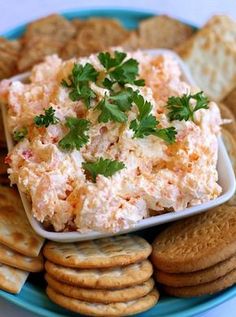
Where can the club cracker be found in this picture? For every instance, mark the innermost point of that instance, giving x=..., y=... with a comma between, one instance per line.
x=102, y=253
x=100, y=295
x=109, y=278
x=98, y=309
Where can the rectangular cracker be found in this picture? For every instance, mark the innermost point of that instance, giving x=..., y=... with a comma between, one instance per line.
x=163, y=32
x=11, y=279
x=19, y=261
x=211, y=57
x=15, y=229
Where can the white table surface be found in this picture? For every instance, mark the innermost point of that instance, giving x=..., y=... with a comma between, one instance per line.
x=194, y=11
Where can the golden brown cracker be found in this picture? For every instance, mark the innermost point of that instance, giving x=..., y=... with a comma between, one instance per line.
x=163, y=32
x=109, y=278
x=211, y=56
x=195, y=278
x=94, y=35
x=98, y=309
x=101, y=295
x=12, y=279
x=9, y=53
x=102, y=253
x=44, y=37
x=196, y=243
x=19, y=261
x=15, y=229
x=203, y=289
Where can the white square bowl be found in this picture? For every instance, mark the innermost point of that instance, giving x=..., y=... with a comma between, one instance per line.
x=224, y=167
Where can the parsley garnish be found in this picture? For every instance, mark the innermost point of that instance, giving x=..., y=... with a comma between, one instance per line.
x=47, y=118
x=113, y=107
x=119, y=71
x=78, y=83
x=103, y=167
x=181, y=109
x=77, y=136
x=19, y=135
x=146, y=123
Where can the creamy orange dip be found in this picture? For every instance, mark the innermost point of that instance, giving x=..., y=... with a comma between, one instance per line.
x=157, y=175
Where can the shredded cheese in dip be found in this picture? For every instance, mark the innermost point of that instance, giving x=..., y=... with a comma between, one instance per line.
x=157, y=176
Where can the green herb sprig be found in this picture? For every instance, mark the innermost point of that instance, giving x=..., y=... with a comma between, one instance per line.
x=146, y=123
x=118, y=70
x=180, y=108
x=103, y=167
x=78, y=83
x=115, y=106
x=44, y=120
x=20, y=134
x=77, y=136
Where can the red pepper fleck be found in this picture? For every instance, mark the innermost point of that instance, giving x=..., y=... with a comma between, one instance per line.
x=8, y=159
x=27, y=154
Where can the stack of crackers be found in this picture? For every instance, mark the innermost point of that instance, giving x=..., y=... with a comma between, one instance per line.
x=19, y=244
x=197, y=256
x=106, y=277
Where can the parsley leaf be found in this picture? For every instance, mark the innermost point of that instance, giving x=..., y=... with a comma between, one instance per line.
x=19, y=135
x=108, y=62
x=167, y=134
x=47, y=118
x=144, y=127
x=126, y=72
x=113, y=107
x=181, y=109
x=103, y=167
x=78, y=83
x=119, y=71
x=146, y=123
x=110, y=112
x=77, y=136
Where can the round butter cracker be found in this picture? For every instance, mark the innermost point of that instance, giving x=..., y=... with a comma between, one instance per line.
x=109, y=278
x=97, y=309
x=102, y=253
x=101, y=295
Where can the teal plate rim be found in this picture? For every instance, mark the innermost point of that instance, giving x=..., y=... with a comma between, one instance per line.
x=168, y=306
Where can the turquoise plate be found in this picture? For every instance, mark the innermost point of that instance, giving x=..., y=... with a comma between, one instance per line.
x=33, y=297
